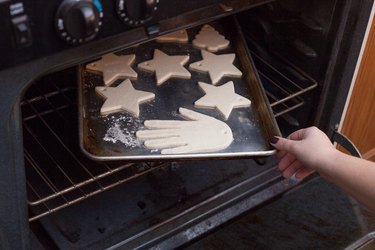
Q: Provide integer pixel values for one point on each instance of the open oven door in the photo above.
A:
(365, 243)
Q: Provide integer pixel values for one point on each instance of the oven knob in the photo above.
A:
(136, 12)
(78, 21)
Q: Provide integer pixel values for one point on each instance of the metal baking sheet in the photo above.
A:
(112, 137)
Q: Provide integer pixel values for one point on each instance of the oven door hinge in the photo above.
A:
(346, 143)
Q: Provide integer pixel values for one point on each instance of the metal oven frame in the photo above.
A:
(14, 218)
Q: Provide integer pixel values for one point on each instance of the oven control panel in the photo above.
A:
(78, 21)
(136, 12)
(34, 29)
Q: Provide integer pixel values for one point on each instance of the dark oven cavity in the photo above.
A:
(65, 200)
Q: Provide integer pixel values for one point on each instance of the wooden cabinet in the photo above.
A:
(359, 120)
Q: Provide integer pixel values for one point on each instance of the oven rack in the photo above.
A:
(283, 82)
(59, 175)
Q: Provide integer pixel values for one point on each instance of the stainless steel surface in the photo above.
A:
(367, 242)
(252, 127)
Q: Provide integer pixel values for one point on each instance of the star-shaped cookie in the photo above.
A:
(166, 66)
(180, 36)
(123, 97)
(222, 98)
(217, 66)
(113, 67)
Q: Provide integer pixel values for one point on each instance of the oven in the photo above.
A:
(54, 196)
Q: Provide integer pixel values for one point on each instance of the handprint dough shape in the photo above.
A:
(199, 134)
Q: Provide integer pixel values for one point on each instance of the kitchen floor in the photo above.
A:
(317, 215)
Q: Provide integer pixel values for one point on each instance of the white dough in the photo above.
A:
(208, 38)
(222, 98)
(113, 66)
(166, 66)
(180, 36)
(217, 66)
(201, 133)
(123, 98)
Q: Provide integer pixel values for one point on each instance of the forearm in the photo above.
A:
(309, 149)
(354, 175)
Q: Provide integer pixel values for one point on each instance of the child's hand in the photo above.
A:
(303, 152)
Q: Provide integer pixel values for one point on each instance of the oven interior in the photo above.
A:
(76, 202)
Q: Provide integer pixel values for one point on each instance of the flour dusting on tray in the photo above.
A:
(120, 131)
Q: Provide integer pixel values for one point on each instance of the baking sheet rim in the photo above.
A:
(191, 156)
